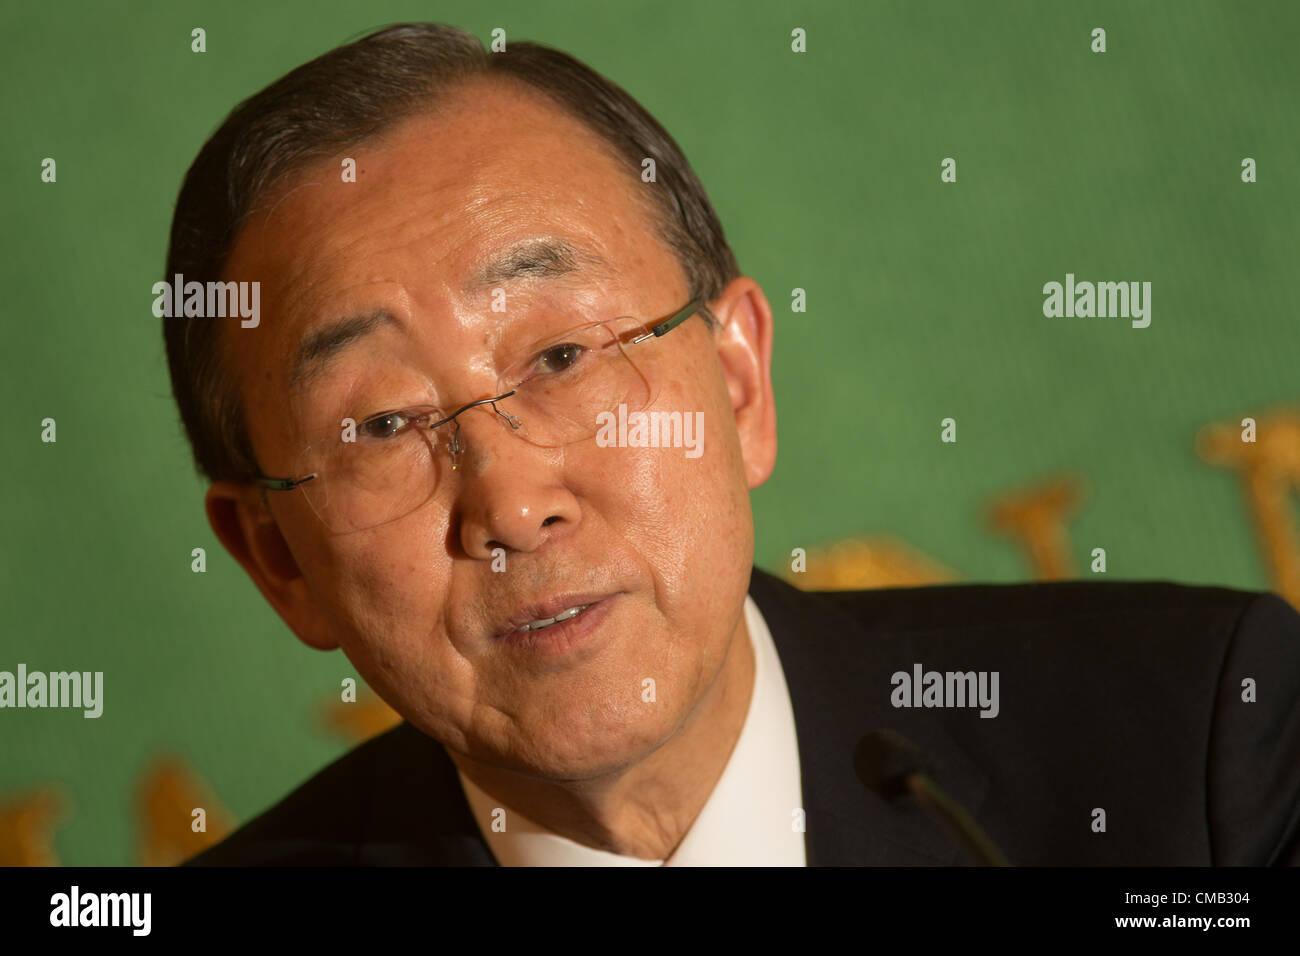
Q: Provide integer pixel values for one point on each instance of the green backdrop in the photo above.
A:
(924, 301)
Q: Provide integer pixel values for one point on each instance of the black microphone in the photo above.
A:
(891, 767)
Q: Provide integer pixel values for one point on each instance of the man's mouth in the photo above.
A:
(564, 628)
(546, 622)
(550, 612)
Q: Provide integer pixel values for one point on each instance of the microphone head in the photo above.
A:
(883, 759)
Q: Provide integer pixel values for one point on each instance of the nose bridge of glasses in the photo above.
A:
(492, 406)
(455, 416)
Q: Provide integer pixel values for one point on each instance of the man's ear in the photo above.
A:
(744, 346)
(245, 526)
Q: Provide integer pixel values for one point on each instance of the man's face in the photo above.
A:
(416, 604)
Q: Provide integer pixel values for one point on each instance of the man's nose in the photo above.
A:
(509, 493)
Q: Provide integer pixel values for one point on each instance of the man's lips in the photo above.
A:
(537, 613)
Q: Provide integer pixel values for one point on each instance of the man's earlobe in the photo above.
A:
(246, 528)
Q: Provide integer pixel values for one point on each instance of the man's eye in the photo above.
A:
(558, 358)
(384, 426)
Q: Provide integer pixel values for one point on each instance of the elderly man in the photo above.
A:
(493, 433)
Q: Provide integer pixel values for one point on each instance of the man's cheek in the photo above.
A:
(378, 606)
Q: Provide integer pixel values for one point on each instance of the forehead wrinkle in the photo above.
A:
(316, 267)
(279, 197)
(257, 221)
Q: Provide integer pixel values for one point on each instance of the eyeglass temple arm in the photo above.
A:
(667, 325)
(282, 484)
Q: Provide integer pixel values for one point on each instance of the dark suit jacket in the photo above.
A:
(1120, 696)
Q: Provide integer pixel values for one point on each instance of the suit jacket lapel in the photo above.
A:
(839, 688)
(418, 814)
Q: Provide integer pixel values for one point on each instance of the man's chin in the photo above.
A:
(551, 754)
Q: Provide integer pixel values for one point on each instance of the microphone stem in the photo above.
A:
(955, 820)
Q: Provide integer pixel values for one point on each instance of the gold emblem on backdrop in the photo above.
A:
(1269, 470)
(876, 562)
(27, 824)
(1035, 517)
(368, 717)
(1266, 457)
(169, 794)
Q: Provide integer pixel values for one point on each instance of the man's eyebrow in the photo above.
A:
(321, 345)
(546, 258)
